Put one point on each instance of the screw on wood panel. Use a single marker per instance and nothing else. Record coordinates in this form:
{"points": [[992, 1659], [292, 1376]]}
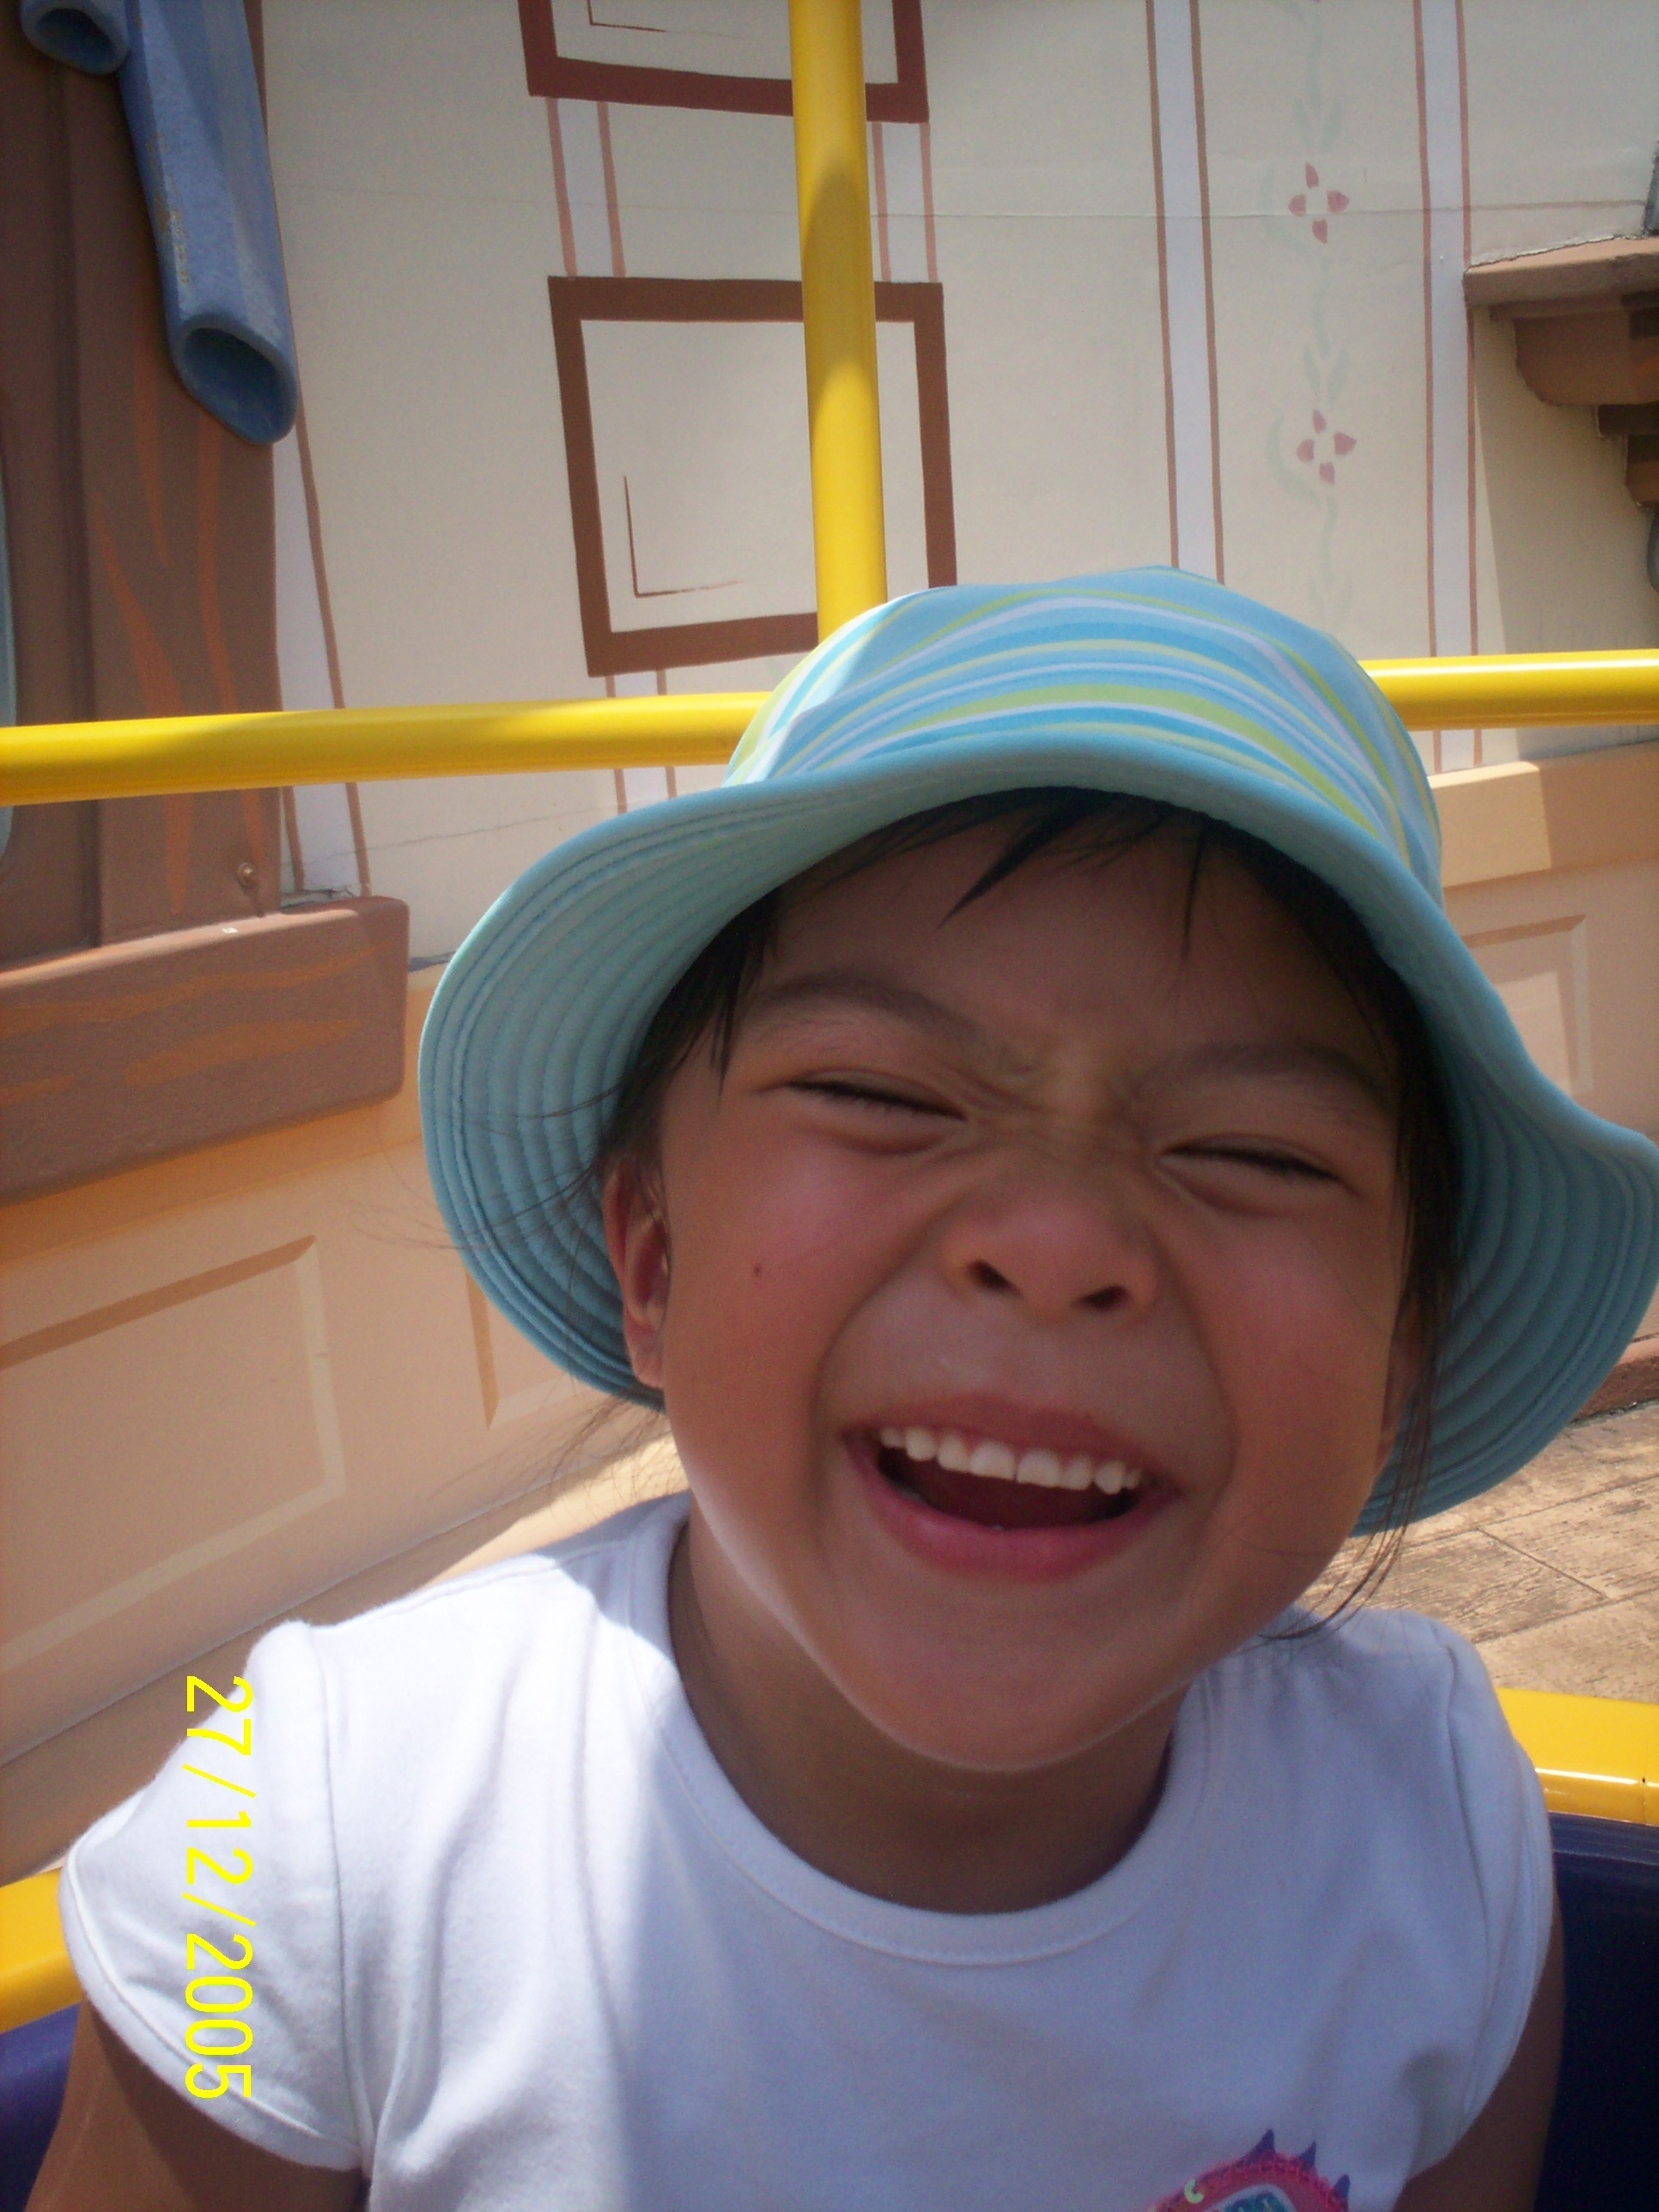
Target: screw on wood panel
{"points": [[246, 874]]}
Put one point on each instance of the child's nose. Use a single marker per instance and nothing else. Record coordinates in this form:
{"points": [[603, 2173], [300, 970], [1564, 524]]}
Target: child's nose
{"points": [[1060, 1245]]}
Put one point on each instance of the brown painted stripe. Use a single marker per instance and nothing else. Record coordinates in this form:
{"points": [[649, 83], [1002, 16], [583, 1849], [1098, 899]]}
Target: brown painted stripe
{"points": [[562, 189], [210, 455], [39, 1018], [1428, 311], [612, 208], [1468, 371], [482, 1349], [551, 74], [359, 839], [576, 300], [1428, 342], [147, 419], [158, 687], [314, 526], [879, 164], [1209, 290], [1163, 281], [44, 1086], [928, 200], [291, 826], [235, 1046]]}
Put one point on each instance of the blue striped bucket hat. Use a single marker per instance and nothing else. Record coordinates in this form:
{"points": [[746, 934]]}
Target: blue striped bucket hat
{"points": [[1149, 683]]}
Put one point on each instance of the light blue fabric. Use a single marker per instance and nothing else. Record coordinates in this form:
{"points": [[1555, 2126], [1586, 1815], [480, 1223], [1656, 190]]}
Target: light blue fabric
{"points": [[192, 105], [1150, 682]]}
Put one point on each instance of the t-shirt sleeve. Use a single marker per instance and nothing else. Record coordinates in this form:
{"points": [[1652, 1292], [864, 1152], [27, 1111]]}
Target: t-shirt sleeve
{"points": [[218, 1883], [1509, 1836]]}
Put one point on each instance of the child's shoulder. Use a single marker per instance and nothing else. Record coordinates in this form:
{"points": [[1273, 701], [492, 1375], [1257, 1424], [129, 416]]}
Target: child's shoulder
{"points": [[498, 1623], [1385, 1710], [1373, 1660]]}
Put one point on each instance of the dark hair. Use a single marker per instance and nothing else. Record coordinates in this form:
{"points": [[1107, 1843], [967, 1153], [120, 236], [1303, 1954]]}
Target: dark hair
{"points": [[710, 998]]}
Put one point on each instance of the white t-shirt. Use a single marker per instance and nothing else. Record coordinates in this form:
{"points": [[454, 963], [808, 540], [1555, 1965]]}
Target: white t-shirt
{"points": [[519, 1944]]}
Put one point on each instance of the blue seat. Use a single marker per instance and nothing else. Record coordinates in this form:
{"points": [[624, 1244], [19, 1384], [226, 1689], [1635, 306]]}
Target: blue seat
{"points": [[1604, 2138], [33, 2061]]}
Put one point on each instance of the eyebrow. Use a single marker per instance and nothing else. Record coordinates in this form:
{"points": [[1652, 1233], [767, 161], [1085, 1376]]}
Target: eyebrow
{"points": [[830, 989], [1323, 1066]]}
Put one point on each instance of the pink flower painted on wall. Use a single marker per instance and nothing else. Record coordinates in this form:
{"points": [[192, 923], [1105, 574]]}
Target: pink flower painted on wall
{"points": [[1322, 202], [1326, 447]]}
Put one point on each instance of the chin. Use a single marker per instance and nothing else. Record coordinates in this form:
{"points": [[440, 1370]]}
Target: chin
{"points": [[988, 1724]]}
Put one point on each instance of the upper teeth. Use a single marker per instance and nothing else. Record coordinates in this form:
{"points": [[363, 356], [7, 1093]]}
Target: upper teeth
{"points": [[1077, 1471]]}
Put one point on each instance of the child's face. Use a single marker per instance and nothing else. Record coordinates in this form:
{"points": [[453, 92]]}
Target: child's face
{"points": [[1064, 1174]]}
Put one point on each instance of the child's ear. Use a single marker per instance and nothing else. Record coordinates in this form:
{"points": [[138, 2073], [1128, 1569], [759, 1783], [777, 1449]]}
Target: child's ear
{"points": [[636, 1238]]}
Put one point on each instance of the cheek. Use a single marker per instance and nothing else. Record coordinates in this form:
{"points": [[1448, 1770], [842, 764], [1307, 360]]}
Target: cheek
{"points": [[773, 1251], [1300, 1334]]}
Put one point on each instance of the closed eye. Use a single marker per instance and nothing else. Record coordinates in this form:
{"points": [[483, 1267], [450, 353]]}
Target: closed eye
{"points": [[874, 1095], [1292, 1166]]}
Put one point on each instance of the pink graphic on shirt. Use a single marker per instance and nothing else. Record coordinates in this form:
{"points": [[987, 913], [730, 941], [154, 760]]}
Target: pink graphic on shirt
{"points": [[1263, 2180]]}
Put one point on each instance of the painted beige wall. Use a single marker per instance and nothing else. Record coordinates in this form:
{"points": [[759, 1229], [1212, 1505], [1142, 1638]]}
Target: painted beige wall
{"points": [[230, 1383], [418, 186]]}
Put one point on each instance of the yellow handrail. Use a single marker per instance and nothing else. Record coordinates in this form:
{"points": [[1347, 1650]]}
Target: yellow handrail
{"points": [[1595, 1755], [838, 307], [350, 744], [1505, 690], [35, 1974], [42, 761]]}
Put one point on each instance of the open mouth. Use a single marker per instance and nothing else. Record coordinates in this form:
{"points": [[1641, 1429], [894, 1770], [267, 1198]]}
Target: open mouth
{"points": [[980, 1480]]}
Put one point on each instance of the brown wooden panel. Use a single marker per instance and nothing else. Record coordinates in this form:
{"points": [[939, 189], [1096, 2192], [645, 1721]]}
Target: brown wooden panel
{"points": [[174, 863], [142, 533], [126, 1053], [39, 441], [143, 550], [180, 515], [47, 898], [46, 882]]}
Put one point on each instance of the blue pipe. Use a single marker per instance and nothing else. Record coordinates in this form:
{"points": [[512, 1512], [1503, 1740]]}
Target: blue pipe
{"points": [[89, 35], [192, 106]]}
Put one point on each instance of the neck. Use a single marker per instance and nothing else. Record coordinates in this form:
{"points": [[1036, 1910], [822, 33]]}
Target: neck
{"points": [[873, 1815]]}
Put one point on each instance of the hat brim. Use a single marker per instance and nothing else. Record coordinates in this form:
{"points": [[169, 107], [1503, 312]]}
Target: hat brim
{"points": [[539, 1014]]}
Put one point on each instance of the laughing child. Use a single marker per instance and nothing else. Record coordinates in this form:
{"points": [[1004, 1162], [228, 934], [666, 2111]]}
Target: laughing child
{"points": [[1036, 1135]]}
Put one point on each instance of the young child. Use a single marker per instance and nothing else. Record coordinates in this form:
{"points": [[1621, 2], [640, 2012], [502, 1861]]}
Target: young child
{"points": [[1036, 1133]]}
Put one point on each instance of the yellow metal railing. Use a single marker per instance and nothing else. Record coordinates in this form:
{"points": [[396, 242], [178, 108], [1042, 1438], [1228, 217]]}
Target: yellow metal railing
{"points": [[35, 1974], [838, 308], [43, 761], [352, 745]]}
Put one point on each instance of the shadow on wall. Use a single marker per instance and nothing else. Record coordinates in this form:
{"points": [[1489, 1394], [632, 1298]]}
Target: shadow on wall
{"points": [[1567, 541]]}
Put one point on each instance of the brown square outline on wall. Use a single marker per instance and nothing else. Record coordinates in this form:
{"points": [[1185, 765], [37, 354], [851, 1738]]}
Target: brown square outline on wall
{"points": [[578, 300], [554, 76]]}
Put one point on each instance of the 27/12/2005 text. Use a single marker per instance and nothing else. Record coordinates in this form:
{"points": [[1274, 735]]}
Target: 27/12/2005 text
{"points": [[219, 2000]]}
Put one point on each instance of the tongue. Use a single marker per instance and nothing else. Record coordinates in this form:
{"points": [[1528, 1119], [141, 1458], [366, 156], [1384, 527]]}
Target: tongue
{"points": [[997, 1505]]}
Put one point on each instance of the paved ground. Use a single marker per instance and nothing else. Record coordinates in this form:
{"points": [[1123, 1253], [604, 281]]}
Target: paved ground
{"points": [[1554, 1575]]}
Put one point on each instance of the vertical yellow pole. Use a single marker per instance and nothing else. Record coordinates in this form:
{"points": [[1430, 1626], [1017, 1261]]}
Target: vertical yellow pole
{"points": [[832, 191]]}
